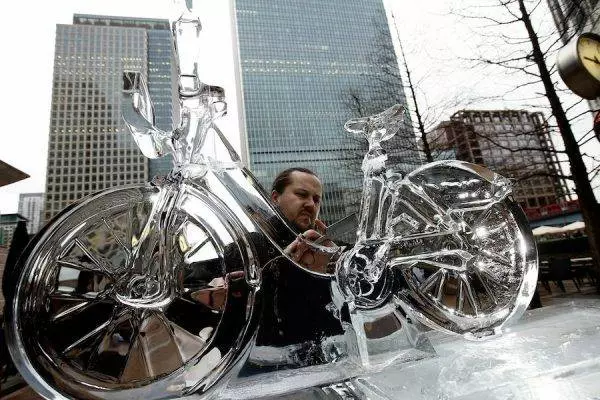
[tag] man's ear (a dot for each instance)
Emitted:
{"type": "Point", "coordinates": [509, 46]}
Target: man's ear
{"type": "Point", "coordinates": [275, 196]}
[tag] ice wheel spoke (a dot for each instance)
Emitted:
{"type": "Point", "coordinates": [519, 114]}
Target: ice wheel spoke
{"type": "Point", "coordinates": [434, 284]}
{"type": "Point", "coordinates": [107, 243]}
{"type": "Point", "coordinates": [136, 365]}
{"type": "Point", "coordinates": [428, 283]}
{"type": "Point", "coordinates": [460, 297]}
{"type": "Point", "coordinates": [500, 259]}
{"type": "Point", "coordinates": [189, 344]}
{"type": "Point", "coordinates": [68, 311]}
{"type": "Point", "coordinates": [466, 297]}
{"type": "Point", "coordinates": [159, 345]}
{"type": "Point", "coordinates": [448, 259]}
{"type": "Point", "coordinates": [196, 251]}
{"type": "Point", "coordinates": [73, 320]}
{"type": "Point", "coordinates": [85, 338]}
{"type": "Point", "coordinates": [109, 356]}
{"type": "Point", "coordinates": [80, 297]}
{"type": "Point", "coordinates": [440, 287]}
{"type": "Point", "coordinates": [477, 221]}
{"type": "Point", "coordinates": [470, 295]}
{"type": "Point", "coordinates": [493, 268]}
{"type": "Point", "coordinates": [144, 223]}
{"type": "Point", "coordinates": [81, 256]}
{"type": "Point", "coordinates": [116, 236]}
{"type": "Point", "coordinates": [139, 362]}
{"type": "Point", "coordinates": [486, 286]}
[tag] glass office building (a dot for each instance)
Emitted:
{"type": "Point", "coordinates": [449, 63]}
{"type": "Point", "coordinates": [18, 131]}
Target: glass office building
{"type": "Point", "coordinates": [162, 83]}
{"type": "Point", "coordinates": [31, 206]}
{"type": "Point", "coordinates": [301, 63]}
{"type": "Point", "coordinates": [90, 148]}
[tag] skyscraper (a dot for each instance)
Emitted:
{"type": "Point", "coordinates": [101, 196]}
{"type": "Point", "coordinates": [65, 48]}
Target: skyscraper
{"type": "Point", "coordinates": [514, 143]}
{"type": "Point", "coordinates": [307, 67]}
{"type": "Point", "coordinates": [89, 146]}
{"type": "Point", "coordinates": [31, 206]}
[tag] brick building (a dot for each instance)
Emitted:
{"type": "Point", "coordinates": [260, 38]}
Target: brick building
{"type": "Point", "coordinates": [514, 143]}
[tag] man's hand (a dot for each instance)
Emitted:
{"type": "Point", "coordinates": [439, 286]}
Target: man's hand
{"type": "Point", "coordinates": [301, 250]}
{"type": "Point", "coordinates": [320, 226]}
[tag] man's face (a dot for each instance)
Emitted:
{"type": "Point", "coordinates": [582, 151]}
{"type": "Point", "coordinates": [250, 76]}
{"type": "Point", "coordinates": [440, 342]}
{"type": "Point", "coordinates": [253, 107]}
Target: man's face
{"type": "Point", "coordinates": [301, 200]}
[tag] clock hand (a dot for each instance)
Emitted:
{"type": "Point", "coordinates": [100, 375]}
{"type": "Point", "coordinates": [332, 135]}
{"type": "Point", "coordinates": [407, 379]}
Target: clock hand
{"type": "Point", "coordinates": [595, 59]}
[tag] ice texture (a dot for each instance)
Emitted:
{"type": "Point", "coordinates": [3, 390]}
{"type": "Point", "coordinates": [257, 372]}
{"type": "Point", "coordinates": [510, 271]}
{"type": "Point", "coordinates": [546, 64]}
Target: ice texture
{"type": "Point", "coordinates": [551, 353]}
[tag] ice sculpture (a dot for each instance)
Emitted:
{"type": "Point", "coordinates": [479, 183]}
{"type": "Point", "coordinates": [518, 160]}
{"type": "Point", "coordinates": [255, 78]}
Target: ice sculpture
{"type": "Point", "coordinates": [447, 223]}
{"type": "Point", "coordinates": [165, 290]}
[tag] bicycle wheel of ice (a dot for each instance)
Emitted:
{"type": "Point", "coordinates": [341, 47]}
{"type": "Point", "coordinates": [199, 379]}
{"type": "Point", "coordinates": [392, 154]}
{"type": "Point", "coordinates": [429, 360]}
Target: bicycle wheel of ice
{"type": "Point", "coordinates": [463, 247]}
{"type": "Point", "coordinates": [96, 316]}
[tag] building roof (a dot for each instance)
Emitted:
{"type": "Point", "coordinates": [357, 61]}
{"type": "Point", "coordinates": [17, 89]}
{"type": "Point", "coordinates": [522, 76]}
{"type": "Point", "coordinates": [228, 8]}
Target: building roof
{"type": "Point", "coordinates": [126, 22]}
{"type": "Point", "coordinates": [37, 194]}
{"type": "Point", "coordinates": [9, 174]}
{"type": "Point", "coordinates": [11, 218]}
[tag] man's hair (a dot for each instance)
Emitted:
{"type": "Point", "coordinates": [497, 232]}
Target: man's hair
{"type": "Point", "coordinates": [283, 179]}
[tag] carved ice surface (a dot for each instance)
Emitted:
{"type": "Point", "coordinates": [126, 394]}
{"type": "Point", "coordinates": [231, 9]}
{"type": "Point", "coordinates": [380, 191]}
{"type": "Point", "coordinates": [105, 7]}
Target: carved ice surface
{"type": "Point", "coordinates": [449, 231]}
{"type": "Point", "coordinates": [173, 288]}
{"type": "Point", "coordinates": [553, 353]}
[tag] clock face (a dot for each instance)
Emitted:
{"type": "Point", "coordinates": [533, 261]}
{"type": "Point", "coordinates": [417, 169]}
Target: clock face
{"type": "Point", "coordinates": [589, 53]}
{"type": "Point", "coordinates": [579, 65]}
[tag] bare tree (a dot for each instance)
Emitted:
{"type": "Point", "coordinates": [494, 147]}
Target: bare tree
{"type": "Point", "coordinates": [411, 87]}
{"type": "Point", "coordinates": [533, 64]}
{"type": "Point", "coordinates": [388, 85]}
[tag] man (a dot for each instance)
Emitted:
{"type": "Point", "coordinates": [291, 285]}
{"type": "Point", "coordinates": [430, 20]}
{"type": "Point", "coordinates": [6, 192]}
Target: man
{"type": "Point", "coordinates": [295, 309]}
{"type": "Point", "coordinates": [298, 193]}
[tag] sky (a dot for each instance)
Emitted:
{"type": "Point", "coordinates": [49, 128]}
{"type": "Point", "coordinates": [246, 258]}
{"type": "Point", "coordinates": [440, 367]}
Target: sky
{"type": "Point", "coordinates": [436, 44]}
{"type": "Point", "coordinates": [440, 42]}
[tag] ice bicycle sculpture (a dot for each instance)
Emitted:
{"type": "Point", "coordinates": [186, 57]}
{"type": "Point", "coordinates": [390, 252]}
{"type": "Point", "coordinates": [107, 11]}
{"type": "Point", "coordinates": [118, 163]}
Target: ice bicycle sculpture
{"type": "Point", "coordinates": [155, 291]}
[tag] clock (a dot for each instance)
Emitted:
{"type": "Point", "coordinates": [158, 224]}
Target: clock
{"type": "Point", "coordinates": [579, 65]}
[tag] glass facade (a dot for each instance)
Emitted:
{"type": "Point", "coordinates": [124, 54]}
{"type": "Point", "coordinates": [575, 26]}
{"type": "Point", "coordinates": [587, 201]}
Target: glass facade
{"type": "Point", "coordinates": [90, 148]}
{"type": "Point", "coordinates": [161, 71]}
{"type": "Point", "coordinates": [301, 62]}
